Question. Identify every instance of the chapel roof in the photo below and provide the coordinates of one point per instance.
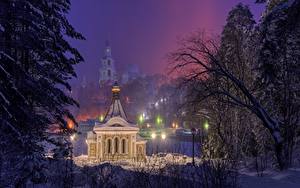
(116, 123)
(116, 108)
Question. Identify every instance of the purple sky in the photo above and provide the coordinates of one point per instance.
(142, 32)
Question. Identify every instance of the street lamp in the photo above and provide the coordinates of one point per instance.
(72, 137)
(193, 130)
(163, 136)
(158, 120)
(206, 125)
(70, 124)
(101, 118)
(153, 135)
(141, 118)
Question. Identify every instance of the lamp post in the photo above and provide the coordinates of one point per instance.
(153, 136)
(163, 137)
(206, 128)
(193, 130)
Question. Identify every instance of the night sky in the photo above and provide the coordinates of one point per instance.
(142, 32)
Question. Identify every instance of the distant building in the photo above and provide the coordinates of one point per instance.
(108, 74)
(131, 72)
(115, 138)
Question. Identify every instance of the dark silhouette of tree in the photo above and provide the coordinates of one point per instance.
(36, 62)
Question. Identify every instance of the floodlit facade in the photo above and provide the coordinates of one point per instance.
(107, 69)
(115, 138)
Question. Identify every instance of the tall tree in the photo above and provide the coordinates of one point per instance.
(201, 56)
(234, 127)
(277, 103)
(279, 65)
(231, 125)
(36, 63)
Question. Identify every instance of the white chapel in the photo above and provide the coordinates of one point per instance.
(115, 138)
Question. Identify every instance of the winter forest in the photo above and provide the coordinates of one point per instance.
(224, 112)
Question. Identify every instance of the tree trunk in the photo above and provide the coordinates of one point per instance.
(279, 155)
(273, 128)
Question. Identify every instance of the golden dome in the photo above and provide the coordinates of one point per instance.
(116, 88)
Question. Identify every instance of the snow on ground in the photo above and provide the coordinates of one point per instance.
(248, 179)
(159, 160)
(271, 179)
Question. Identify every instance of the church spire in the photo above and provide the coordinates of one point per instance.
(107, 70)
(107, 49)
(115, 108)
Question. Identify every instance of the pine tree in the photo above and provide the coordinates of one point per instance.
(233, 124)
(279, 65)
(36, 62)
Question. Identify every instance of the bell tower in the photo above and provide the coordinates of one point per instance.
(107, 69)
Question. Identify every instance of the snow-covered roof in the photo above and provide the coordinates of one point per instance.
(116, 123)
(140, 139)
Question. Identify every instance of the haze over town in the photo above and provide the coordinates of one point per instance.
(150, 93)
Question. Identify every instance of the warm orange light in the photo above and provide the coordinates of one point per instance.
(70, 124)
(115, 89)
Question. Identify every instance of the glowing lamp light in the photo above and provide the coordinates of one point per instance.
(158, 120)
(206, 125)
(115, 89)
(101, 118)
(163, 136)
(148, 125)
(72, 137)
(86, 141)
(173, 125)
(70, 124)
(141, 118)
(153, 135)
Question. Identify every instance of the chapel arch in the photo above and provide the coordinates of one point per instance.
(109, 146)
(124, 147)
(117, 144)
